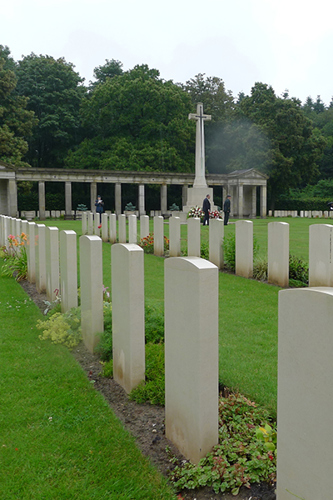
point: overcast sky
(284, 43)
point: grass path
(58, 437)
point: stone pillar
(174, 237)
(132, 229)
(244, 248)
(184, 195)
(12, 198)
(93, 195)
(128, 314)
(68, 198)
(52, 262)
(90, 223)
(84, 222)
(68, 270)
(193, 237)
(240, 201)
(305, 394)
(321, 255)
(113, 228)
(158, 235)
(254, 202)
(122, 228)
(216, 235)
(105, 227)
(117, 197)
(278, 253)
(41, 258)
(31, 254)
(91, 280)
(164, 199)
(141, 196)
(232, 201)
(41, 199)
(191, 355)
(144, 226)
(263, 201)
(225, 192)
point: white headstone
(41, 258)
(321, 255)
(278, 253)
(216, 235)
(91, 284)
(132, 229)
(144, 226)
(193, 237)
(158, 235)
(68, 270)
(113, 228)
(122, 228)
(191, 355)
(305, 394)
(174, 237)
(31, 254)
(244, 248)
(128, 315)
(84, 222)
(105, 227)
(52, 262)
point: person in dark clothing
(205, 209)
(99, 204)
(226, 209)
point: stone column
(68, 270)
(278, 253)
(244, 248)
(321, 255)
(117, 197)
(128, 315)
(113, 228)
(240, 200)
(174, 237)
(263, 201)
(41, 199)
(12, 198)
(191, 355)
(141, 196)
(216, 235)
(93, 195)
(232, 201)
(31, 254)
(144, 226)
(91, 279)
(41, 258)
(193, 237)
(184, 195)
(52, 262)
(68, 198)
(158, 235)
(122, 228)
(164, 199)
(105, 227)
(305, 394)
(132, 229)
(254, 202)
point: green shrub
(298, 270)
(260, 270)
(104, 348)
(154, 325)
(108, 369)
(229, 251)
(62, 328)
(204, 251)
(153, 389)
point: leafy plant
(62, 328)
(15, 259)
(240, 458)
(153, 389)
(147, 243)
(204, 250)
(154, 325)
(104, 348)
(229, 251)
(174, 208)
(130, 207)
(260, 270)
(298, 270)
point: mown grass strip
(58, 437)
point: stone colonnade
(242, 185)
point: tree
(55, 92)
(109, 70)
(16, 121)
(136, 121)
(293, 147)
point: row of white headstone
(305, 373)
(303, 213)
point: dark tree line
(135, 120)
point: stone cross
(200, 179)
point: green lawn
(59, 438)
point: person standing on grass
(226, 209)
(99, 204)
(205, 209)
